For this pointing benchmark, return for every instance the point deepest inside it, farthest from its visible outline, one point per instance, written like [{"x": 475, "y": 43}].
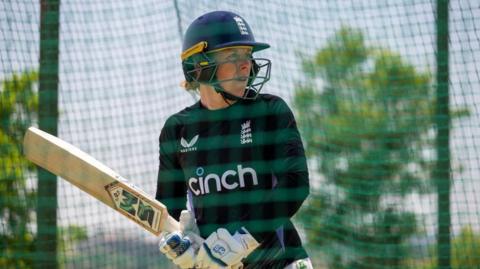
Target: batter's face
[{"x": 234, "y": 69}]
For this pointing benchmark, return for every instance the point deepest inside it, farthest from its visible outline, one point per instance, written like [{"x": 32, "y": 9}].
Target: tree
[
  {"x": 368, "y": 129},
  {"x": 18, "y": 110},
  {"x": 465, "y": 251}
]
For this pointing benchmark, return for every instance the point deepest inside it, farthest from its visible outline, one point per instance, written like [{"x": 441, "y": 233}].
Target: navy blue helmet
[{"x": 214, "y": 31}]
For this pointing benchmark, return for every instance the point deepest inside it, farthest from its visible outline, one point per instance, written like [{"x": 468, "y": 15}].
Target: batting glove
[
  {"x": 178, "y": 249},
  {"x": 223, "y": 250},
  {"x": 181, "y": 246}
]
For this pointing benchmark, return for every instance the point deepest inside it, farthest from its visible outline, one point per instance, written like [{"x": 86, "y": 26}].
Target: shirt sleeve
[
  {"x": 288, "y": 170},
  {"x": 171, "y": 188}
]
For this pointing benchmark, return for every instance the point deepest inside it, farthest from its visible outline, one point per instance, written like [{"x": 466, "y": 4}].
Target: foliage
[
  {"x": 466, "y": 249},
  {"x": 18, "y": 109},
  {"x": 368, "y": 128},
  {"x": 67, "y": 237},
  {"x": 465, "y": 252}
]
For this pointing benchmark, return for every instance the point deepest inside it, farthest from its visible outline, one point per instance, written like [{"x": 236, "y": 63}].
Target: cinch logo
[
  {"x": 230, "y": 180},
  {"x": 188, "y": 146}
]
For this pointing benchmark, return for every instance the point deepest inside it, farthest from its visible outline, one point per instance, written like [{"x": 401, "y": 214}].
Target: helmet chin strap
[{"x": 228, "y": 96}]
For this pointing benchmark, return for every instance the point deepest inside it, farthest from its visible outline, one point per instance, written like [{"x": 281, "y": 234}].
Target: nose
[{"x": 244, "y": 65}]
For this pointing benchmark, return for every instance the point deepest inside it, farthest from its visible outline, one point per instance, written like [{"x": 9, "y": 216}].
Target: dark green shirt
[{"x": 239, "y": 166}]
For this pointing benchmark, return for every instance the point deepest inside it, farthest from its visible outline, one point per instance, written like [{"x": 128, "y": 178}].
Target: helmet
[{"x": 214, "y": 31}]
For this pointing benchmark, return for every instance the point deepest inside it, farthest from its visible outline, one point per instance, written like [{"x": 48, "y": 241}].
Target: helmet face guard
[
  {"x": 205, "y": 71},
  {"x": 219, "y": 30}
]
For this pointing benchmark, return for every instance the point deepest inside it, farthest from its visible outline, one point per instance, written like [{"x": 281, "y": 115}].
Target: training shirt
[{"x": 243, "y": 165}]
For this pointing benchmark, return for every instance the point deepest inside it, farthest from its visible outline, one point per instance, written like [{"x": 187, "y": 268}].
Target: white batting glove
[
  {"x": 189, "y": 227},
  {"x": 178, "y": 249},
  {"x": 223, "y": 250},
  {"x": 181, "y": 246}
]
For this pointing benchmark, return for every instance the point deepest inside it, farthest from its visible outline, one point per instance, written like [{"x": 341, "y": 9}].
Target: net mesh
[{"x": 360, "y": 76}]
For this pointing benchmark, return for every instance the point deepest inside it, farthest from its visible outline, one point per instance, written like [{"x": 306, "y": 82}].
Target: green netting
[{"x": 392, "y": 138}]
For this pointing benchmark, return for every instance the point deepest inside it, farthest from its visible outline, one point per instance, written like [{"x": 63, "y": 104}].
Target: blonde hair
[{"x": 190, "y": 86}]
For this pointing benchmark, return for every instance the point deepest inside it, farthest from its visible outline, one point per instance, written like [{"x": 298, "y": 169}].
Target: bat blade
[{"x": 85, "y": 172}]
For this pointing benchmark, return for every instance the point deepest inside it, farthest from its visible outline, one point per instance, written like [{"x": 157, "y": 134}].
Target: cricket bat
[{"x": 98, "y": 180}]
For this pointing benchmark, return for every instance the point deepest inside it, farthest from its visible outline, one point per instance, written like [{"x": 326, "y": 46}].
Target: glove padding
[
  {"x": 178, "y": 249},
  {"x": 178, "y": 246},
  {"x": 223, "y": 250}
]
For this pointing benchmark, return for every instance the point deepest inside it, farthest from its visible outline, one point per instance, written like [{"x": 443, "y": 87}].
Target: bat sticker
[{"x": 127, "y": 200}]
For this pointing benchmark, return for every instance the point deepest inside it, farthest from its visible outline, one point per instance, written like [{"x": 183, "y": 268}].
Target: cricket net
[{"x": 385, "y": 95}]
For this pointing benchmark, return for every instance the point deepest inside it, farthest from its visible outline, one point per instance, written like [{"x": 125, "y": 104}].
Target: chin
[
  {"x": 237, "y": 90},
  {"x": 240, "y": 92}
]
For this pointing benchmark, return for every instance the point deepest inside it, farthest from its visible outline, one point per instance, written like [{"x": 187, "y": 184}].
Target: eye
[
  {"x": 239, "y": 57},
  {"x": 232, "y": 57}
]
